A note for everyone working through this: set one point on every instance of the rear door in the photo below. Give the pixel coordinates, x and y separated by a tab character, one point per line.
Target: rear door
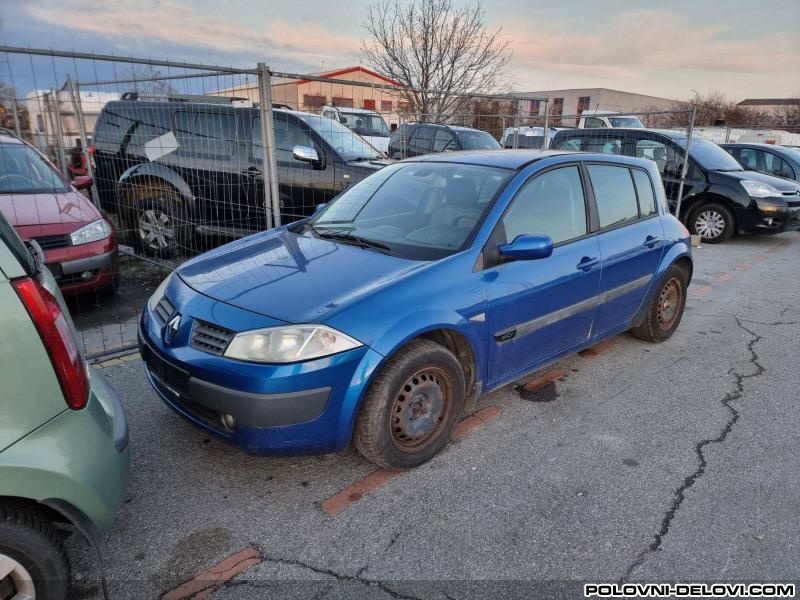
630	239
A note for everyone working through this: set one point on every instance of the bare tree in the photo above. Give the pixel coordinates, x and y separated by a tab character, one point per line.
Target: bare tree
436	45
145	81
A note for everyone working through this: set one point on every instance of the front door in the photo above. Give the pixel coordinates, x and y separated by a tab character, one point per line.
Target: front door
539	308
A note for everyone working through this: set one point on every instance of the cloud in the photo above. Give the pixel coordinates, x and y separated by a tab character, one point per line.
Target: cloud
167	21
640	45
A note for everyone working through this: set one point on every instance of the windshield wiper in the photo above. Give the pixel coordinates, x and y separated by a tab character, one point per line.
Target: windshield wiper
355	240
364	158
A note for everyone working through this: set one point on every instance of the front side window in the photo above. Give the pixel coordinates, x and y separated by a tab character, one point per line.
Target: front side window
775	165
367	124
477	140
614	194
443	140
593	123
628	122
206	133
550	204
422	139
419	211
24	171
344	142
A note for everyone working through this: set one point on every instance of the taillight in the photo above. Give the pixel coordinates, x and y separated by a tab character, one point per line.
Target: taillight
57	337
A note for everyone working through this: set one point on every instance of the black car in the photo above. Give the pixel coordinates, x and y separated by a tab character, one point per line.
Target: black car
416	139
173	168
767	158
719	197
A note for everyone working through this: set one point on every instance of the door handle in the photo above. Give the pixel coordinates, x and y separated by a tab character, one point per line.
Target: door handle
252	172
650	241
587	263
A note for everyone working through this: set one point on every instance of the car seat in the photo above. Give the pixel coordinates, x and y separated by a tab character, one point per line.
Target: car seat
460	205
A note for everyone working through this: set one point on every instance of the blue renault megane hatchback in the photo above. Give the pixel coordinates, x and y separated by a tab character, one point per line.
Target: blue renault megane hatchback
386	315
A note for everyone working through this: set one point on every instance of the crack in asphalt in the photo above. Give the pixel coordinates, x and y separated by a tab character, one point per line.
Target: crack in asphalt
680	493
357	578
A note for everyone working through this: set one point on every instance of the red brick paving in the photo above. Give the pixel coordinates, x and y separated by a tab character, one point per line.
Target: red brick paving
597	349
203	584
534	385
472	422
353	493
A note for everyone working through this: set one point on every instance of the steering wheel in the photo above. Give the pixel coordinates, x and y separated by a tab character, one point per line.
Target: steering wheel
468	217
24	179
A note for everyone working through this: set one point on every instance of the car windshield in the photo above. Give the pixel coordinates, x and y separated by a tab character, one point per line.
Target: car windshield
710	156
629	122
476	140
24	171
346	144
364	123
418	211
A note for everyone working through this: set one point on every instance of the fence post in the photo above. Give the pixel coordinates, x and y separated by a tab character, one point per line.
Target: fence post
56	115
545	138
270	165
78	107
685	167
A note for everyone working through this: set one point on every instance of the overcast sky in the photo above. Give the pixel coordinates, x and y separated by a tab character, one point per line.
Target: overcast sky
742	48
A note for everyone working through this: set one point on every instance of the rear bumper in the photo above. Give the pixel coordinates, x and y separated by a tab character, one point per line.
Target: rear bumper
79	459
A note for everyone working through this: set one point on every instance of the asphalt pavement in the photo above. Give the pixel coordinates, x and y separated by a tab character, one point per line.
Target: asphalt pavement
669	462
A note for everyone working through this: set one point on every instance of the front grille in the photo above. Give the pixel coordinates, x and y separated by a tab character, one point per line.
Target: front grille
210	338
48	242
163	310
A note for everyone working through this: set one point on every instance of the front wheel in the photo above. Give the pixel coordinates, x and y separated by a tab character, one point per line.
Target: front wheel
32	560
410	409
713	222
666	308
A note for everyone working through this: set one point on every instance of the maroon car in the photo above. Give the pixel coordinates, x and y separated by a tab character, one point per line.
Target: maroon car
80	246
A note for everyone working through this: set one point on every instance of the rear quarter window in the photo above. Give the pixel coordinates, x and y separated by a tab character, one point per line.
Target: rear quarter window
644	190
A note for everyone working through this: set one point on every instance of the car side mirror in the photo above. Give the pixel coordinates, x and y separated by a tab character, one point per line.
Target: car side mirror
82	182
307	154
527	247
38	255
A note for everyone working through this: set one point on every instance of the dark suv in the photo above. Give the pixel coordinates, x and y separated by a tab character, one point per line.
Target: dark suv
416	139
175	168
720	197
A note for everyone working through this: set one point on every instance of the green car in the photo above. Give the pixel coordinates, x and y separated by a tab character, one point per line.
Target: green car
64	455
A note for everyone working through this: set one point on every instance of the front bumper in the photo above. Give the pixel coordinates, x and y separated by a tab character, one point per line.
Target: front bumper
297	408
92	269
770	215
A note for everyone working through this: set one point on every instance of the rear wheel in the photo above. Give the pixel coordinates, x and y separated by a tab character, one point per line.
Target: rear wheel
713	222
156	223
666	308
410	409
33	563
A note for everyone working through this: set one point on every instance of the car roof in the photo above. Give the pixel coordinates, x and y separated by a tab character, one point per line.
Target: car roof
348	109
7	138
520	158
753	145
443	126
634	131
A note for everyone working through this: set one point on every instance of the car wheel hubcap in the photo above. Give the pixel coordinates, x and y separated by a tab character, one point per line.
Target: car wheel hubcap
420	409
669	303
709	224
15	581
155	229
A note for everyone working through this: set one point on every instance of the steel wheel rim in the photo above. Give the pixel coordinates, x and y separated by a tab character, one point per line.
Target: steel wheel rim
156	229
709	224
10	569
668	303
420	409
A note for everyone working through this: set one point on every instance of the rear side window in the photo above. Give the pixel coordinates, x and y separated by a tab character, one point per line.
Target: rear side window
614	194
550	204
206	133
644	189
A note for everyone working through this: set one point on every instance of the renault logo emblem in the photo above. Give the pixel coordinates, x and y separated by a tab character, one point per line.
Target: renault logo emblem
171	328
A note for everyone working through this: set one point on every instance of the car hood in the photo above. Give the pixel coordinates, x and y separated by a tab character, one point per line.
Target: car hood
47	209
290	277
784	185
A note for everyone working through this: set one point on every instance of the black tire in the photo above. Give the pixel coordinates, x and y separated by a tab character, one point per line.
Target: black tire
33	544
713	222
433	379
666	308
156	223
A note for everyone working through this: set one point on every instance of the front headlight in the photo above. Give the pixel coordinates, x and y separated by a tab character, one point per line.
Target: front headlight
290	343
757	189
159	293
94	231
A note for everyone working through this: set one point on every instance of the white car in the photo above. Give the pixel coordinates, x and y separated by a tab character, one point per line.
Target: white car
598	119
368	124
